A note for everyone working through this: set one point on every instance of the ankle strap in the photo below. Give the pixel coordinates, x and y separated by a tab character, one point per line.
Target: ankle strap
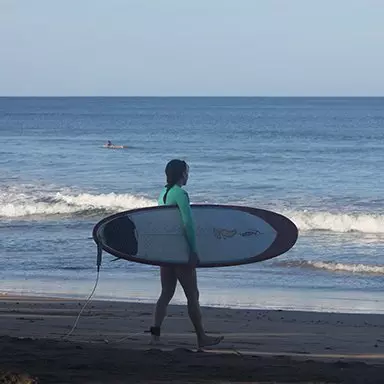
155	331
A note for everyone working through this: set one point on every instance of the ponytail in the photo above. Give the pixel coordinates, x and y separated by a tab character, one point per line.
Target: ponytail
169	187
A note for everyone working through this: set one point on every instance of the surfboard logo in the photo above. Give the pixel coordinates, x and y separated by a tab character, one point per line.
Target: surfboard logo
222	233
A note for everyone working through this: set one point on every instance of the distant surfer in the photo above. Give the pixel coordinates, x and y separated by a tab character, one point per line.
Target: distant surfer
173	194
109	143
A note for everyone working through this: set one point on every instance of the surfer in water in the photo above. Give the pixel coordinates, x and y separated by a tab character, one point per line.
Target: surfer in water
173	194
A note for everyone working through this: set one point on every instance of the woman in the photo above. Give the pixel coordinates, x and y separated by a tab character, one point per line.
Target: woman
173	194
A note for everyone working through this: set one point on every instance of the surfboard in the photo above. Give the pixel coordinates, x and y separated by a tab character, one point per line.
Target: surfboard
115	146
226	235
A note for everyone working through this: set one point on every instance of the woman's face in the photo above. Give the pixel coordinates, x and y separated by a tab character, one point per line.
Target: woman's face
184	179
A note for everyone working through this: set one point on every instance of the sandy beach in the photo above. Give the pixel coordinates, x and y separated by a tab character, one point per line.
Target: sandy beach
110	345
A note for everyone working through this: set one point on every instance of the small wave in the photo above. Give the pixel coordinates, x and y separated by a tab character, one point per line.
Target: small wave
68	268
19	204
39	201
337	222
333	267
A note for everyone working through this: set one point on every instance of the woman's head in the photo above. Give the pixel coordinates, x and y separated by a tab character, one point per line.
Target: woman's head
176	172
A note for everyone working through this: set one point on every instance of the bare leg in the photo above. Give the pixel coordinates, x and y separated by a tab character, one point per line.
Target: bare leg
188	280
168	285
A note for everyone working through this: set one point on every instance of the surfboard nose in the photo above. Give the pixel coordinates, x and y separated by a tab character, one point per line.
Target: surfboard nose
287	234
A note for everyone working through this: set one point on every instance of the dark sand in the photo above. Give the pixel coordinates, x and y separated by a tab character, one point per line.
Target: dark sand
109	345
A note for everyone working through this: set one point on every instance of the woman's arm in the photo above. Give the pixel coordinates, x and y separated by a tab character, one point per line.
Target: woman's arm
182	201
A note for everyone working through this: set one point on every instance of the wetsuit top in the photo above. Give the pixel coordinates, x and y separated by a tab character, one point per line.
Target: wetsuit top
177	196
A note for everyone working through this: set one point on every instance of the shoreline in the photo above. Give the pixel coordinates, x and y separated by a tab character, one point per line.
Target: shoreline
179	300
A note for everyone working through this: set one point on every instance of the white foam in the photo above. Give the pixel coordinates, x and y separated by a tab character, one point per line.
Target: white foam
334	267
24	202
31	200
337	222
110	201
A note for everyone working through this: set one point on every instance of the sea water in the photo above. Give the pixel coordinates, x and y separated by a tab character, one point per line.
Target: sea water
319	161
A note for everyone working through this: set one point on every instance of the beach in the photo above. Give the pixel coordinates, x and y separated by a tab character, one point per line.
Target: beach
110	344
272	109
312	315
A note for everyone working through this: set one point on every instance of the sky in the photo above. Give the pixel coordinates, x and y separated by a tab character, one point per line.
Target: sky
192	48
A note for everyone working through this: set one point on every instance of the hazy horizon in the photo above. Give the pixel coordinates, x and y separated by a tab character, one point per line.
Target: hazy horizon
185	97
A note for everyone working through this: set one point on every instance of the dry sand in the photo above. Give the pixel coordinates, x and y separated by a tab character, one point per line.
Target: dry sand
110	345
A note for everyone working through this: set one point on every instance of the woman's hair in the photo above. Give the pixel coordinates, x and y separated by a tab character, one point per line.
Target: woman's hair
174	172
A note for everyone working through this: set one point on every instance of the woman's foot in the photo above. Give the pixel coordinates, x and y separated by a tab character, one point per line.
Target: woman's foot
155	340
209	341
155	335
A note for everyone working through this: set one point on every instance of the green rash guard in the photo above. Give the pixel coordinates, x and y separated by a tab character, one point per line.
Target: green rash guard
177	196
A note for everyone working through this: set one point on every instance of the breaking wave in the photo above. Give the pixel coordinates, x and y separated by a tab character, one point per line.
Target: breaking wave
30	201
333	267
337	222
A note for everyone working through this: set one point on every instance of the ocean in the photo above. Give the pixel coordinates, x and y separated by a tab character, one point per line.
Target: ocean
319	161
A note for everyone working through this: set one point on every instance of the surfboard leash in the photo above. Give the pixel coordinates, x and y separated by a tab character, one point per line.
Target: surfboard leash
84	306
98	265
88	300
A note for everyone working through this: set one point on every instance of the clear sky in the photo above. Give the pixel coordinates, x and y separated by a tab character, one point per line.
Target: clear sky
192	47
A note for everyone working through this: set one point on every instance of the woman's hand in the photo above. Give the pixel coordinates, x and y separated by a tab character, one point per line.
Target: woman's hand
193	259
